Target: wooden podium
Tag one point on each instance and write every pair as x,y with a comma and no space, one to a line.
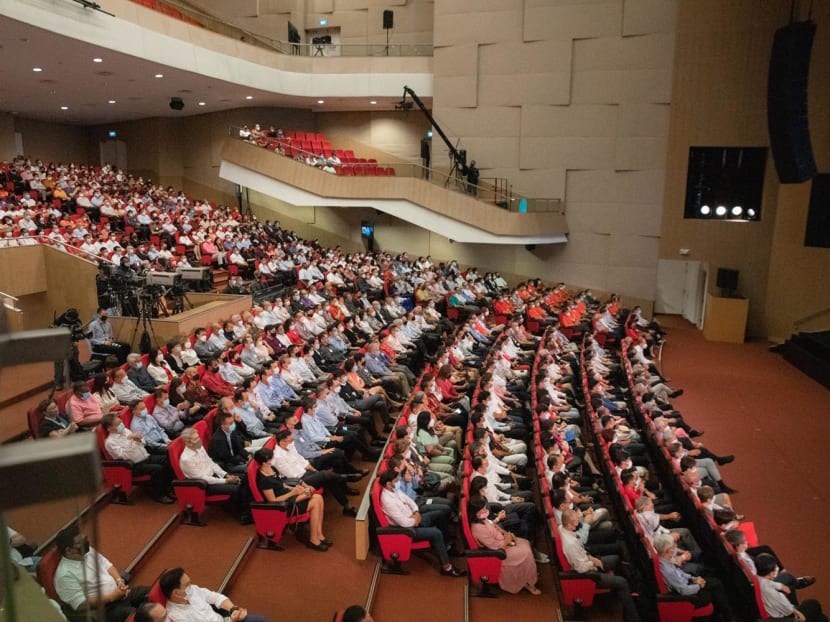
725,319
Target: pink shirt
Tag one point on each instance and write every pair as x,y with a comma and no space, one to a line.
84,411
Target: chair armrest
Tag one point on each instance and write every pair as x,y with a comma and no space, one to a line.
190,483
277,506
124,464
394,530
674,597
498,553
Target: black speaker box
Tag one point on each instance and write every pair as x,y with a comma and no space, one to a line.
789,129
818,214
388,19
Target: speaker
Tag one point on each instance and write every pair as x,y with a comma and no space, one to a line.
727,279
176,103
388,19
789,130
818,213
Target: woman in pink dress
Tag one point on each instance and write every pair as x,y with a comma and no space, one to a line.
518,569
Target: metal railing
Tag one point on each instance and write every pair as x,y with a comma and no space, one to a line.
495,190
222,27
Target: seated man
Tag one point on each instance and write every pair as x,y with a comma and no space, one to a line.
212,380
785,581
196,464
402,511
595,567
85,579
150,612
702,591
124,445
55,425
227,448
190,603
291,465
124,389
775,601
139,375
102,339
153,436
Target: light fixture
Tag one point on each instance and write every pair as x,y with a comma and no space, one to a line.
705,210
112,101
324,22
720,211
37,69
202,103
64,107
373,102
737,210
750,213
159,75
321,101
97,60
249,97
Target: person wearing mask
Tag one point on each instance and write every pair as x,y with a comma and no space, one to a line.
84,411
139,375
153,436
227,447
54,424
190,603
102,340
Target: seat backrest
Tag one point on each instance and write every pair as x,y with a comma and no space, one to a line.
101,437
465,524
174,451
210,421
46,569
34,418
204,434
251,473
156,595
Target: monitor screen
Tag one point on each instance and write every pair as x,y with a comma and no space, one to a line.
367,231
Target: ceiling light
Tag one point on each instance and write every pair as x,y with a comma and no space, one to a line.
97,60
321,101
37,69
159,75
737,210
202,103
112,101
373,102
249,97
64,107
721,210
705,210
750,213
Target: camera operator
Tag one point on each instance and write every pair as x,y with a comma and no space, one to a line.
472,178
102,340
70,319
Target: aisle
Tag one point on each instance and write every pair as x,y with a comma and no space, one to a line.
752,403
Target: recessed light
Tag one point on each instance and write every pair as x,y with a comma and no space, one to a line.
159,75
97,60
202,103
64,107
373,102
249,97
321,101
37,69
112,101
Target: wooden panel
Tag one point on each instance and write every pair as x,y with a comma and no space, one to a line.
22,270
725,319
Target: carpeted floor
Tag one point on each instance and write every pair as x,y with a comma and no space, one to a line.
776,421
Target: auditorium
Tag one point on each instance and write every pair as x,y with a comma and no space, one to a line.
445,310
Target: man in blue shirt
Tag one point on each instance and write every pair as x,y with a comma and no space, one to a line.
153,436
321,458
347,440
377,365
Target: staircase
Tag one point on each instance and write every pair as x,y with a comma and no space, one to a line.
810,352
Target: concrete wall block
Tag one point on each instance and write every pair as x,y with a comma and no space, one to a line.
643,120
457,91
649,16
633,154
491,152
569,121
478,27
640,282
635,251
596,87
571,21
489,121
464,7
456,60
519,89
567,153
535,57
654,51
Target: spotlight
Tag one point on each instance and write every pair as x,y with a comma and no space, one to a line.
176,103
737,210
705,210
720,211
750,213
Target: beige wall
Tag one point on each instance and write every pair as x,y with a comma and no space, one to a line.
51,142
569,100
7,148
719,99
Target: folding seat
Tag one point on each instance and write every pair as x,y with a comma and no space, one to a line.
118,474
190,493
484,564
396,543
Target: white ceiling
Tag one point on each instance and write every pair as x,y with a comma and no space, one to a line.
69,77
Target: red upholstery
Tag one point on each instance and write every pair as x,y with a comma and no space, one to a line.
118,474
484,568
575,587
34,417
672,607
46,571
156,595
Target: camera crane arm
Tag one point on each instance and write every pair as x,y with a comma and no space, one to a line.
458,157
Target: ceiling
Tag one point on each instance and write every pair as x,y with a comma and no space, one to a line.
71,78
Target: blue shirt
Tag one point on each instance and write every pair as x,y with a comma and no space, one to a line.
678,580
314,430
251,421
281,388
268,396
150,430
375,364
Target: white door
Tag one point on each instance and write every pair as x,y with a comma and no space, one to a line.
114,152
678,289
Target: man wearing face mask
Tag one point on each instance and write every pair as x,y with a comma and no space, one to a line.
122,444
139,374
80,406
212,380
102,340
205,349
190,603
227,448
55,425
154,437
84,579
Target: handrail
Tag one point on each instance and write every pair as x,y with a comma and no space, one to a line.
807,318
496,190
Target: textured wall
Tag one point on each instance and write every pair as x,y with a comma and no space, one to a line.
570,99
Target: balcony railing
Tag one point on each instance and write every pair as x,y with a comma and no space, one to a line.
495,190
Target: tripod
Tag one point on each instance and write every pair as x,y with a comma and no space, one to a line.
144,318
456,174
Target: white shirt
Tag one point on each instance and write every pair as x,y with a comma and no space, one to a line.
398,508
121,447
198,607
198,465
289,462
76,581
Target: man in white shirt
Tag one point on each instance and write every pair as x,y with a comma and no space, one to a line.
125,390
84,579
400,510
190,603
122,444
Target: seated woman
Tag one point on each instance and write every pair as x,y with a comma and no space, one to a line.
518,569
273,490
158,368
103,395
429,444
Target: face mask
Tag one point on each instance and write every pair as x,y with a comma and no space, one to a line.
196,446
181,389
166,403
203,338
103,318
232,428
138,365
121,428
483,514
143,413
85,395
160,358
